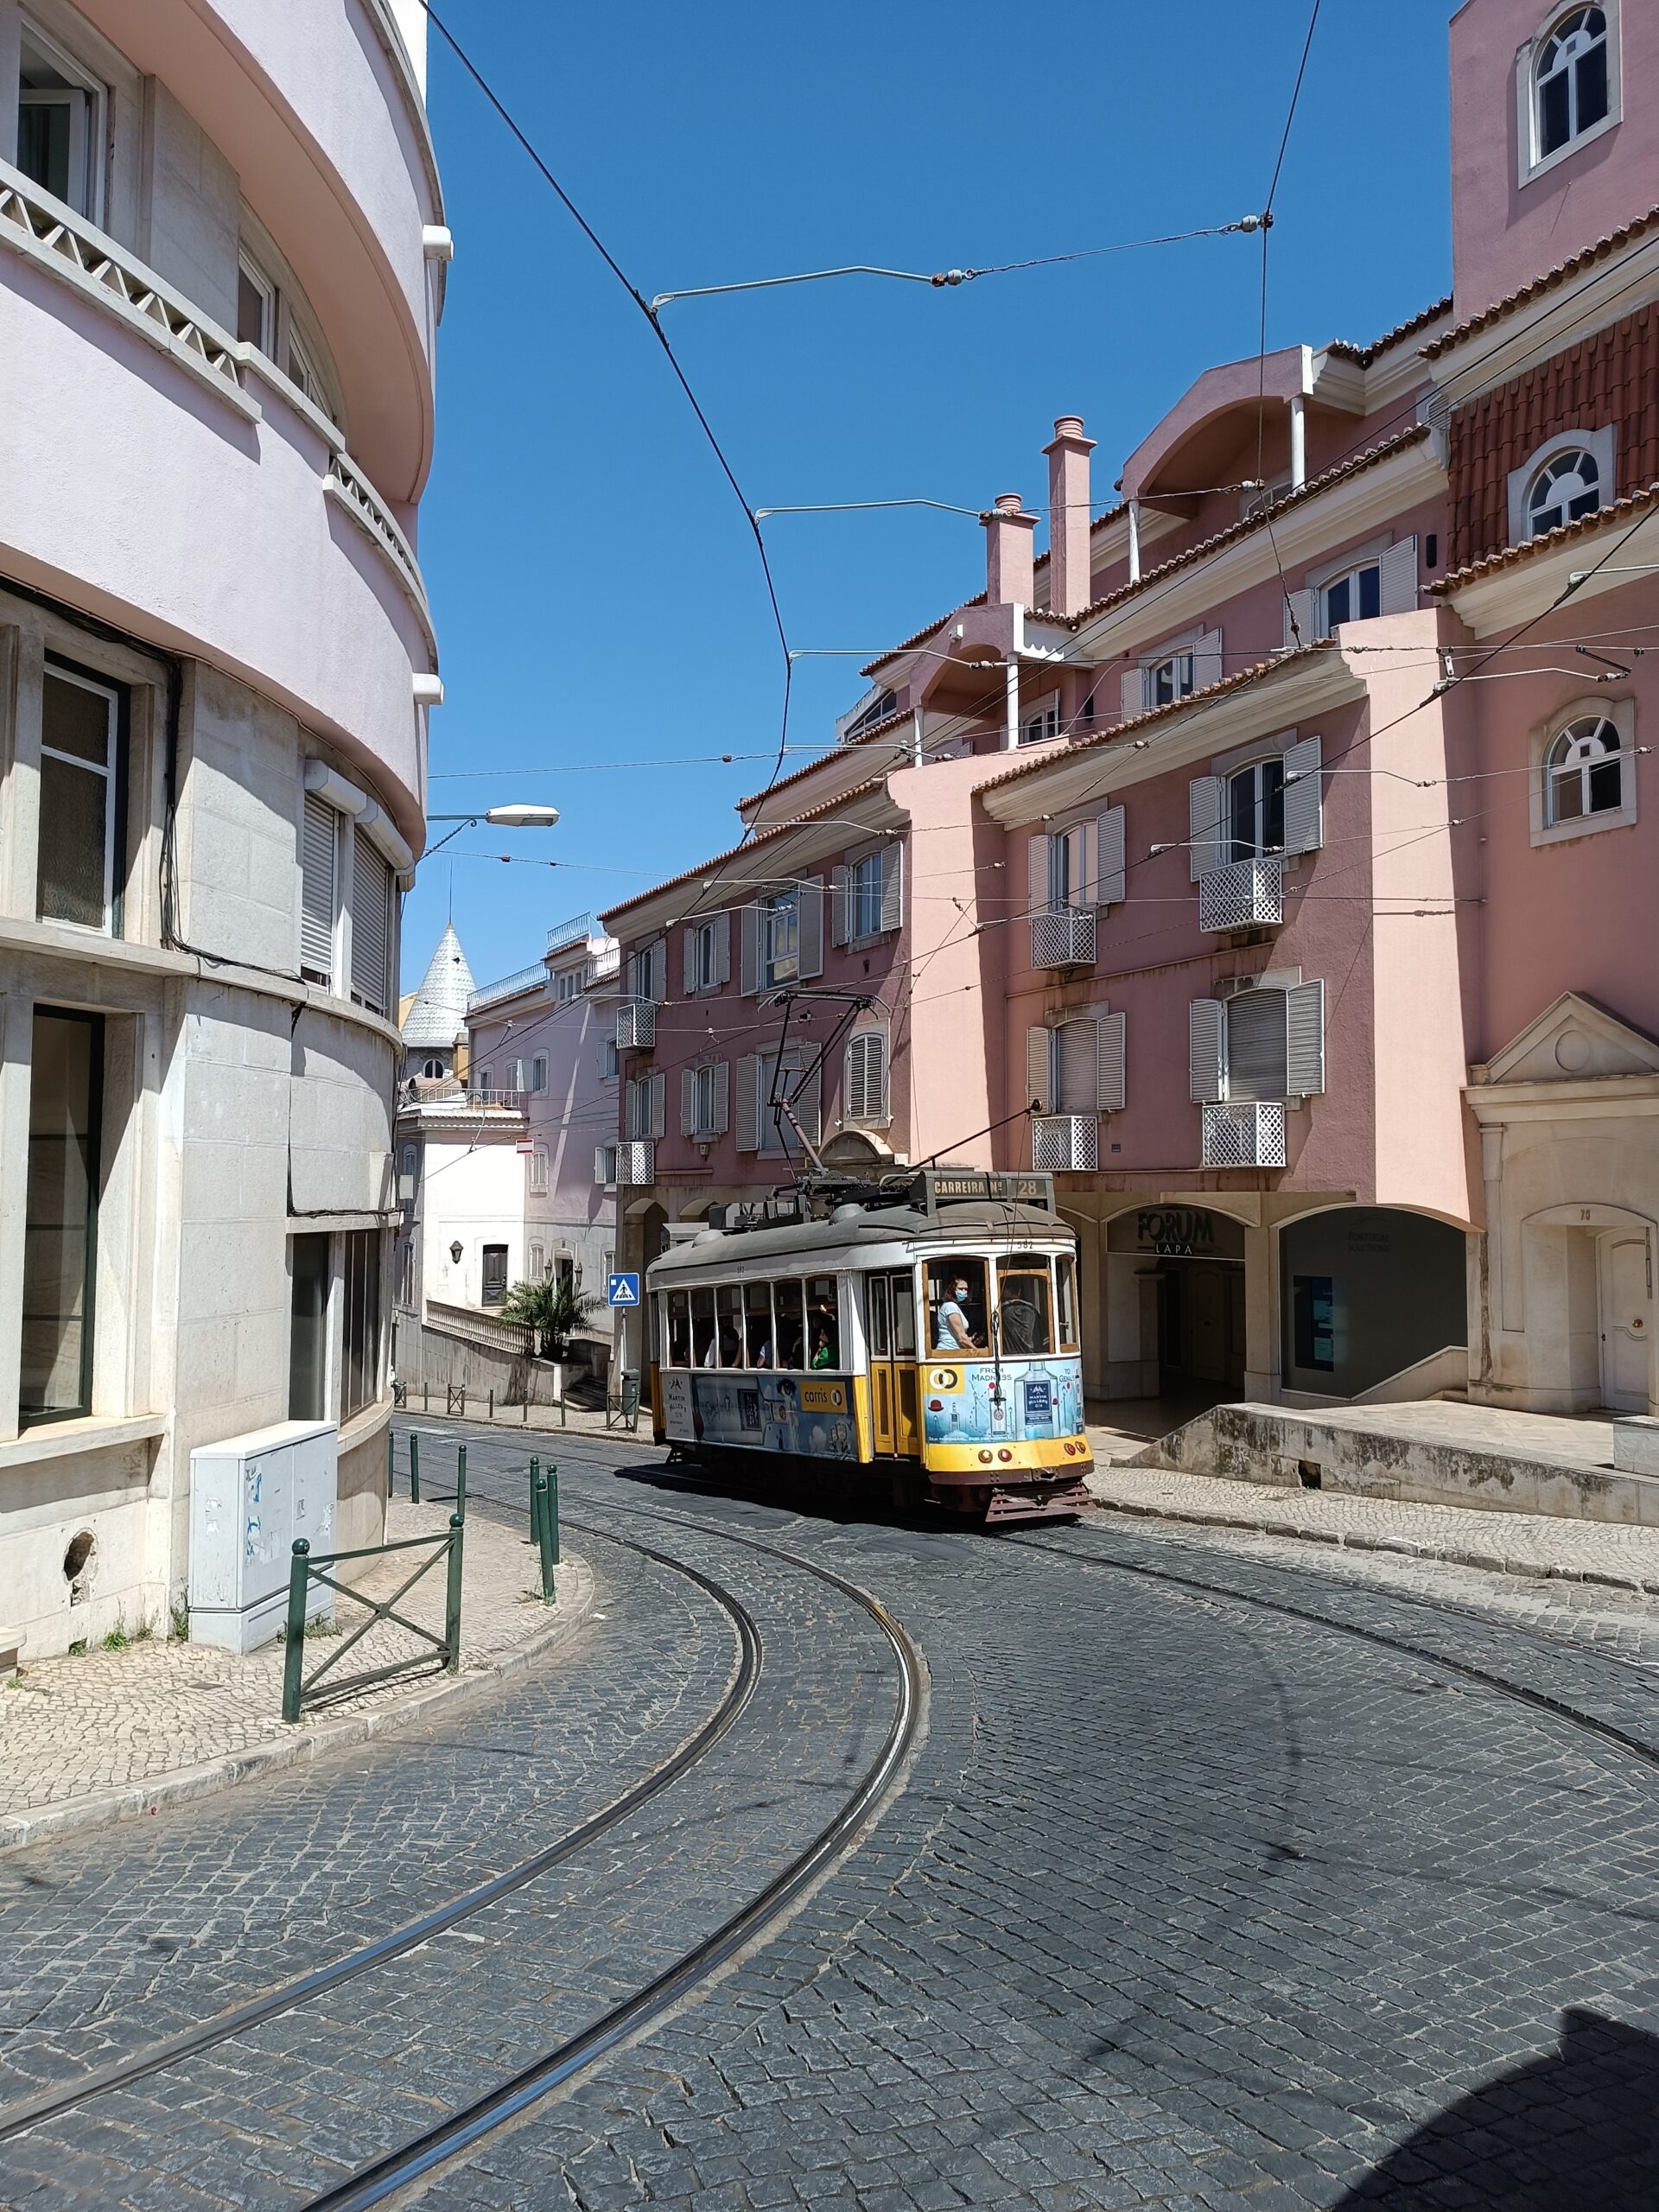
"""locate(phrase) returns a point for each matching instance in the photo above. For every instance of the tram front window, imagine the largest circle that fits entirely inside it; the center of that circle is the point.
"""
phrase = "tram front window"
(823, 1322)
(679, 1328)
(1022, 1302)
(956, 1306)
(757, 1325)
(702, 1328)
(791, 1325)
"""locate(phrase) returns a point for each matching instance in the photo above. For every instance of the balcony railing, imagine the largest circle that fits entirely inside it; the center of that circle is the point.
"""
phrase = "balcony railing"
(1245, 895)
(571, 932)
(1063, 1143)
(1249, 1133)
(636, 1026)
(509, 987)
(1064, 937)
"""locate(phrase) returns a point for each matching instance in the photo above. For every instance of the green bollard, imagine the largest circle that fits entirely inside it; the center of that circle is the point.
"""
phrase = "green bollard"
(414, 1468)
(545, 1533)
(535, 1524)
(299, 1576)
(553, 1508)
(452, 1607)
(392, 1463)
(461, 1480)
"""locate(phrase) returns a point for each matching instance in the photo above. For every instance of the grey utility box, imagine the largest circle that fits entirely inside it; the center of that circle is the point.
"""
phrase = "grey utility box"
(249, 1498)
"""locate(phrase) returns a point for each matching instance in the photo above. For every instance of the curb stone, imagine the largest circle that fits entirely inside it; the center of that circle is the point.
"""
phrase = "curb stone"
(102, 1807)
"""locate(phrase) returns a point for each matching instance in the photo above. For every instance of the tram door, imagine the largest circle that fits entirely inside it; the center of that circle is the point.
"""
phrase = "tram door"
(890, 1307)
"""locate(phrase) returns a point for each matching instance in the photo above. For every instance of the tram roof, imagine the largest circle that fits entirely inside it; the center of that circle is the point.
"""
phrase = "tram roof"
(973, 1223)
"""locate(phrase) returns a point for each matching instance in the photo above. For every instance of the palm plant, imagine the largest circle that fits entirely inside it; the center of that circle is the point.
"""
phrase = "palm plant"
(553, 1310)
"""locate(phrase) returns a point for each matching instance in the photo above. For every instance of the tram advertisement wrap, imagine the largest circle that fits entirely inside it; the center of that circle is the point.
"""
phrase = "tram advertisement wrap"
(809, 1414)
(962, 1403)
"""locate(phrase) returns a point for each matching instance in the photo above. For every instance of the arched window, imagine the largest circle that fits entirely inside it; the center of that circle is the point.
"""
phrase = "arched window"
(1567, 485)
(432, 1070)
(1584, 771)
(1569, 77)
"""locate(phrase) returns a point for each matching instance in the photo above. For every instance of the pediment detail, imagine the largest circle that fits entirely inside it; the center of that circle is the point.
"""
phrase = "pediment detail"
(1573, 1041)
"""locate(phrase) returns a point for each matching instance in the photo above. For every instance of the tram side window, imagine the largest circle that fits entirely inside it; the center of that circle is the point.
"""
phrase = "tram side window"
(904, 1317)
(702, 1328)
(956, 1306)
(728, 1324)
(1022, 1303)
(1066, 1303)
(877, 1325)
(823, 1322)
(791, 1325)
(677, 1334)
(757, 1325)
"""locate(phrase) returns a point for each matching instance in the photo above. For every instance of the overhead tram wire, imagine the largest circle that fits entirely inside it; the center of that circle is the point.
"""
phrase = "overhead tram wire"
(1261, 345)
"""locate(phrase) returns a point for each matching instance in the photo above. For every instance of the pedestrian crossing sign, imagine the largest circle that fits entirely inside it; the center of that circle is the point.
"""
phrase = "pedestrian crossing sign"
(622, 1290)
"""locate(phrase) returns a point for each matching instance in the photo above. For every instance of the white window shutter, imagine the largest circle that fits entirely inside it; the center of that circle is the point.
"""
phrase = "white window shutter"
(840, 928)
(1207, 661)
(1039, 1077)
(1303, 804)
(605, 1163)
(1108, 856)
(722, 1097)
(892, 886)
(812, 926)
(1110, 1068)
(723, 947)
(1206, 806)
(371, 925)
(688, 1102)
(1037, 871)
(319, 844)
(1305, 1049)
(658, 1096)
(1134, 693)
(690, 960)
(1300, 619)
(1397, 577)
(748, 923)
(1206, 1038)
(748, 1102)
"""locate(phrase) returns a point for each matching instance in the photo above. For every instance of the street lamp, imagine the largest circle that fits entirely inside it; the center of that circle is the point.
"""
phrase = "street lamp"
(522, 816)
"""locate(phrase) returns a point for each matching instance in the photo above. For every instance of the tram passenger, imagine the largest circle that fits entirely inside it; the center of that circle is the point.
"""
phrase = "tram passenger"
(951, 1331)
(731, 1345)
(826, 1335)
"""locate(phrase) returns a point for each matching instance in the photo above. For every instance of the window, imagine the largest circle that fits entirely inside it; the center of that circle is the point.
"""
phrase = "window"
(676, 1330)
(880, 708)
(702, 1328)
(570, 983)
(1168, 680)
(432, 1070)
(864, 897)
(61, 111)
(1570, 79)
(485, 1083)
(359, 1380)
(538, 1072)
(790, 1308)
(704, 1100)
(1066, 1302)
(371, 929)
(1023, 1317)
(255, 305)
(537, 1264)
(1261, 1045)
(957, 1307)
(82, 763)
(1567, 486)
(823, 1322)
(758, 1342)
(1256, 811)
(646, 972)
(538, 1169)
(1068, 867)
(776, 1084)
(1041, 720)
(608, 1058)
(66, 1108)
(1584, 773)
(702, 971)
(864, 1088)
(780, 936)
(1354, 596)
(319, 850)
(308, 1328)
(300, 373)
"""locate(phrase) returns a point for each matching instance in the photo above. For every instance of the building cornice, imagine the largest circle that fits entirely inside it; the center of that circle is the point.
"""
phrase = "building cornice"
(1521, 582)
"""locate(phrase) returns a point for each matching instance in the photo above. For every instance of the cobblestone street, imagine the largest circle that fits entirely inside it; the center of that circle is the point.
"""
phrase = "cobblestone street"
(1226, 1870)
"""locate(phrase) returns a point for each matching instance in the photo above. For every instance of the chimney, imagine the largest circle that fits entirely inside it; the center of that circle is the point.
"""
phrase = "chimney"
(1009, 534)
(1068, 516)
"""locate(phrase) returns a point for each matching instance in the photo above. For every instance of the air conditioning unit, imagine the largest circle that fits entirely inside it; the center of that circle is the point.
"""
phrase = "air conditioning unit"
(1066, 1143)
(636, 1026)
(249, 1498)
(1249, 1133)
(1245, 895)
(1063, 938)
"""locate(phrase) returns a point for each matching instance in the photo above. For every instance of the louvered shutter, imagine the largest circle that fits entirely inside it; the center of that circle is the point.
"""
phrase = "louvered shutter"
(1108, 1063)
(1207, 660)
(318, 840)
(1206, 1051)
(840, 926)
(1305, 1046)
(1256, 1040)
(722, 1087)
(658, 1095)
(876, 1074)
(1300, 616)
(812, 926)
(1038, 1079)
(371, 924)
(748, 923)
(748, 1102)
(658, 988)
(1037, 872)
(1078, 1056)
(1134, 692)
(688, 1102)
(1303, 802)
(1108, 856)
(892, 886)
(690, 970)
(852, 1102)
(723, 947)
(1397, 577)
(804, 1095)
(1207, 804)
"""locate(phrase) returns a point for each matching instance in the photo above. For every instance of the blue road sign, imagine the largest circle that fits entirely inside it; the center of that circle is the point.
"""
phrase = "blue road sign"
(622, 1290)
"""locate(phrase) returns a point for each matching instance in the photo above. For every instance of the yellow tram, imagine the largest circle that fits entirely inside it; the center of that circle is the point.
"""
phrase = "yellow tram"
(926, 1335)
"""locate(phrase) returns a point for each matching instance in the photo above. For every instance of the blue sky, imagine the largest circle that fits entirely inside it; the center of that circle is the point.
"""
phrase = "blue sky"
(597, 592)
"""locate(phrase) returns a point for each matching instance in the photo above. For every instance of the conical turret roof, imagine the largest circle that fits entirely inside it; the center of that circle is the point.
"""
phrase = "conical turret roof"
(439, 1014)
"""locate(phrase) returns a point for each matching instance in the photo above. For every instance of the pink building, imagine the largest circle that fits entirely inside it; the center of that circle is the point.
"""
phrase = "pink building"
(1269, 858)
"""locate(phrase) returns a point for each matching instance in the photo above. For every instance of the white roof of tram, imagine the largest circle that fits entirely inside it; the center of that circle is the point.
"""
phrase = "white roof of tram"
(971, 1225)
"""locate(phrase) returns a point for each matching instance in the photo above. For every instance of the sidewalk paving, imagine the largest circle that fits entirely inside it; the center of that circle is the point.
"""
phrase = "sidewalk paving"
(111, 1734)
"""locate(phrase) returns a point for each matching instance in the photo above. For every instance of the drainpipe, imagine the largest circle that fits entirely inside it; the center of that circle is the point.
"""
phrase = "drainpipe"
(1298, 440)
(916, 738)
(1134, 541)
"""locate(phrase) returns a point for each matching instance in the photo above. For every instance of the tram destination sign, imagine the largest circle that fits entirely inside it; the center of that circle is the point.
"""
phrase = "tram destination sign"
(947, 1187)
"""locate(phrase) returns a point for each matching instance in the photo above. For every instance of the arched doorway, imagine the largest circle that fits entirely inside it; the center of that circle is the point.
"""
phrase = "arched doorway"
(1366, 1292)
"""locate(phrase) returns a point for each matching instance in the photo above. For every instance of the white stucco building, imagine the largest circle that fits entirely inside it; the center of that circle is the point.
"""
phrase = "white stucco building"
(222, 258)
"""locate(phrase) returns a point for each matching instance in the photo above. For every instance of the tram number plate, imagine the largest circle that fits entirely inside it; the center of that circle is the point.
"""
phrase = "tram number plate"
(1039, 1399)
